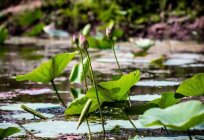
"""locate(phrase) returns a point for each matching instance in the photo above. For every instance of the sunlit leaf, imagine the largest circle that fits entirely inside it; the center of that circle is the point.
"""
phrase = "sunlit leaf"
(107, 91)
(76, 106)
(8, 132)
(178, 117)
(119, 88)
(193, 86)
(49, 70)
(79, 72)
(166, 100)
(86, 30)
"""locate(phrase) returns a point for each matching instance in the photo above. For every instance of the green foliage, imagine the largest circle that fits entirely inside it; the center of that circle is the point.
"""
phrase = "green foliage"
(34, 112)
(36, 30)
(166, 100)
(193, 86)
(3, 34)
(84, 112)
(49, 70)
(4, 133)
(158, 62)
(29, 17)
(181, 116)
(86, 30)
(108, 92)
(119, 88)
(79, 72)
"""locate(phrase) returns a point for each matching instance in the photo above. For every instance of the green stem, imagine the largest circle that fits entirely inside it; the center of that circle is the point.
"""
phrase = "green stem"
(95, 86)
(131, 122)
(86, 85)
(88, 125)
(121, 73)
(113, 48)
(82, 59)
(54, 87)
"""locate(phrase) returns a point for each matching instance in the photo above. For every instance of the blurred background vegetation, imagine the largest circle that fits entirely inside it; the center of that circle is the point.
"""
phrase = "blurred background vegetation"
(175, 19)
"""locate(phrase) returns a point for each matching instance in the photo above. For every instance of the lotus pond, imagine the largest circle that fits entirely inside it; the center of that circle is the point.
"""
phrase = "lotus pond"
(149, 100)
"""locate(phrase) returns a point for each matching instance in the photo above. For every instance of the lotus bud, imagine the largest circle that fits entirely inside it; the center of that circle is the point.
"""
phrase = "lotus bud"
(110, 29)
(83, 42)
(75, 39)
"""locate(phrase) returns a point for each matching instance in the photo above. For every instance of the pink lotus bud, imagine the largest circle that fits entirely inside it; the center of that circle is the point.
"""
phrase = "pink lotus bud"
(83, 42)
(75, 39)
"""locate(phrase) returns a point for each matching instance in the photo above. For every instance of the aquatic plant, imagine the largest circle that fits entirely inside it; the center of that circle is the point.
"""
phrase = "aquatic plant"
(34, 112)
(4, 133)
(3, 34)
(181, 116)
(49, 70)
(193, 86)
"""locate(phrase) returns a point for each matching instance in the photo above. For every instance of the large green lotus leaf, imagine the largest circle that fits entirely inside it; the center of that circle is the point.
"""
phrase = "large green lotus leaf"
(193, 86)
(107, 92)
(77, 74)
(8, 132)
(166, 100)
(119, 88)
(49, 70)
(178, 117)
(76, 106)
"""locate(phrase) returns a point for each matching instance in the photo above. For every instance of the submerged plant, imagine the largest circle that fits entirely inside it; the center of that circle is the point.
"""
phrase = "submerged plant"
(49, 70)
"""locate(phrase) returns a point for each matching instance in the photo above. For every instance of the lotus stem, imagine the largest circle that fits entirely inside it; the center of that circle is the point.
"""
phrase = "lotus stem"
(113, 48)
(86, 85)
(189, 134)
(82, 59)
(95, 86)
(167, 132)
(56, 91)
(131, 122)
(121, 73)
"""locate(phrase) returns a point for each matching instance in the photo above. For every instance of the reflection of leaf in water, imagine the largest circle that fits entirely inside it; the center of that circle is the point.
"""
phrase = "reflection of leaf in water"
(30, 54)
(2, 51)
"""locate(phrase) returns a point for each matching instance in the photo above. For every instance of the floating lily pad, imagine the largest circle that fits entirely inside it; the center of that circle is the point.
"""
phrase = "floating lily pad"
(178, 117)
